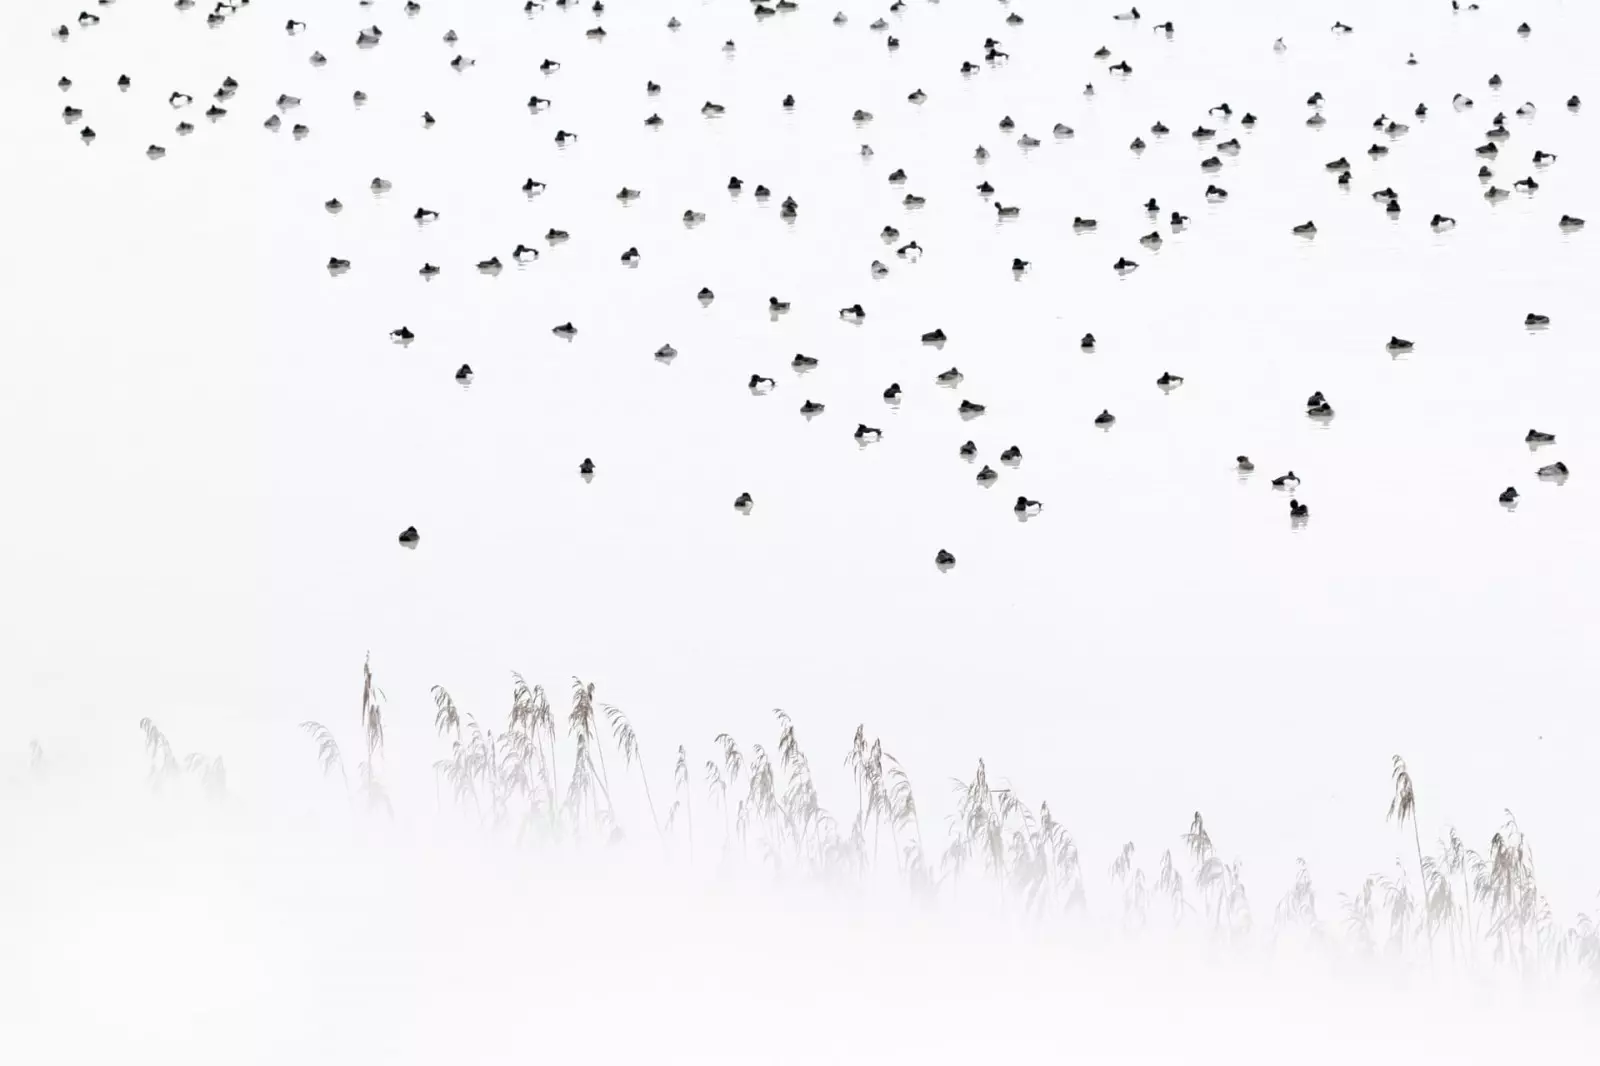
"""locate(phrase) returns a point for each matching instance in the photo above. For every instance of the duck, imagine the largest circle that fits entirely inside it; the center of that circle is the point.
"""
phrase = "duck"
(666, 353)
(1160, 129)
(980, 153)
(949, 378)
(917, 96)
(1169, 381)
(1442, 222)
(879, 270)
(1243, 464)
(892, 393)
(709, 108)
(1556, 470)
(944, 560)
(1279, 46)
(1377, 150)
(1121, 68)
(860, 116)
(1573, 103)
(968, 409)
(1316, 121)
(1229, 146)
(1526, 185)
(1421, 111)
(811, 408)
(1509, 496)
(1019, 266)
(492, 265)
(1178, 221)
(762, 192)
(522, 253)
(1461, 101)
(968, 450)
(1396, 129)
(1087, 343)
(338, 266)
(1130, 15)
(1536, 436)
(789, 208)
(987, 476)
(910, 200)
(867, 434)
(1216, 193)
(802, 363)
(429, 270)
(788, 100)
(734, 184)
(1211, 163)
(1136, 145)
(549, 66)
(1338, 164)
(409, 537)
(1340, 27)
(402, 335)
(1540, 158)
(631, 257)
(968, 67)
(705, 296)
(586, 468)
(284, 101)
(1523, 30)
(1083, 225)
(1007, 124)
(1025, 507)
(1298, 509)
(1494, 81)
(1306, 229)
(462, 62)
(425, 214)
(1488, 149)
(464, 374)
(743, 503)
(934, 336)
(777, 306)
(566, 330)
(539, 103)
(1494, 192)
(299, 130)
(693, 218)
(1571, 222)
(71, 114)
(1399, 344)
(1105, 419)
(1025, 141)
(1286, 481)
(562, 136)
(760, 385)
(214, 112)
(1062, 130)
(1315, 398)
(1012, 456)
(318, 59)
(179, 99)
(184, 128)
(1151, 207)
(368, 38)
(1536, 320)
(1124, 265)
(1201, 133)
(1321, 410)
(984, 188)
(626, 193)
(1151, 240)
(897, 177)
(853, 313)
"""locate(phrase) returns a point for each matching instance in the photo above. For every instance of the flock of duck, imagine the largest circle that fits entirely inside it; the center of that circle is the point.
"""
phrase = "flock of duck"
(1317, 405)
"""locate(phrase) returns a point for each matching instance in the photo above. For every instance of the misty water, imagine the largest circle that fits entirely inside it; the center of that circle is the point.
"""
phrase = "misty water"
(212, 443)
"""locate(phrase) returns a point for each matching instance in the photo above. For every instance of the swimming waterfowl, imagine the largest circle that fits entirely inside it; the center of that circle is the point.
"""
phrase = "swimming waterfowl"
(1152, 207)
(1121, 68)
(1298, 510)
(705, 296)
(1571, 222)
(214, 112)
(1177, 221)
(802, 363)
(562, 136)
(586, 468)
(1556, 470)
(984, 188)
(969, 450)
(889, 234)
(461, 62)
(892, 393)
(935, 336)
(539, 103)
(879, 270)
(1338, 164)
(409, 537)
(1306, 229)
(1316, 121)
(464, 374)
(666, 353)
(1442, 222)
(1211, 163)
(1397, 344)
(1494, 192)
(450, 37)
(1484, 173)
(299, 131)
(1421, 111)
(1027, 507)
(1006, 124)
(1340, 27)
(1573, 103)
(892, 43)
(911, 200)
(1536, 320)
(788, 100)
(967, 409)
(1527, 110)
(1536, 436)
(429, 270)
(368, 38)
(853, 313)
(1321, 410)
(1083, 225)
(709, 108)
(1087, 343)
(811, 408)
(1411, 59)
(1494, 81)
(762, 192)
(1279, 46)
(968, 67)
(1151, 240)
(1130, 15)
(358, 97)
(631, 256)
(987, 476)
(896, 177)
(87, 135)
(917, 97)
(318, 59)
(743, 503)
(789, 208)
(1377, 150)
(859, 115)
(1229, 146)
(1169, 381)
(1215, 193)
(403, 335)
(1525, 184)
(1026, 141)
(1123, 265)
(1524, 29)
(693, 218)
(1460, 101)
(566, 330)
(337, 265)
(1012, 456)
(425, 214)
(1018, 266)
(70, 114)
(1062, 130)
(761, 385)
(178, 99)
(949, 378)
(944, 560)
(1244, 464)
(595, 33)
(777, 306)
(1543, 157)
(1286, 481)
(492, 265)
(1315, 398)
(1007, 212)
(1200, 133)
(1509, 496)
(1105, 419)
(626, 193)
(981, 153)
(522, 253)
(1395, 129)
(867, 434)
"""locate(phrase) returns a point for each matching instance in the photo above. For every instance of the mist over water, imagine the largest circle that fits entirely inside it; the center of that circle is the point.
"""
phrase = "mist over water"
(213, 445)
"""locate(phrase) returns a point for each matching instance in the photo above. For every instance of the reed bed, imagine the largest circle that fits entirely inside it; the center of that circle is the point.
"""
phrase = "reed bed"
(540, 783)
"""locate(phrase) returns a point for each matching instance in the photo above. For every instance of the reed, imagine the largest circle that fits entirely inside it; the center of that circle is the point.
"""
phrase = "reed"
(996, 844)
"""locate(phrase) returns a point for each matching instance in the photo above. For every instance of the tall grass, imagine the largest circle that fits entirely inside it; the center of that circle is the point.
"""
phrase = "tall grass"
(1485, 907)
